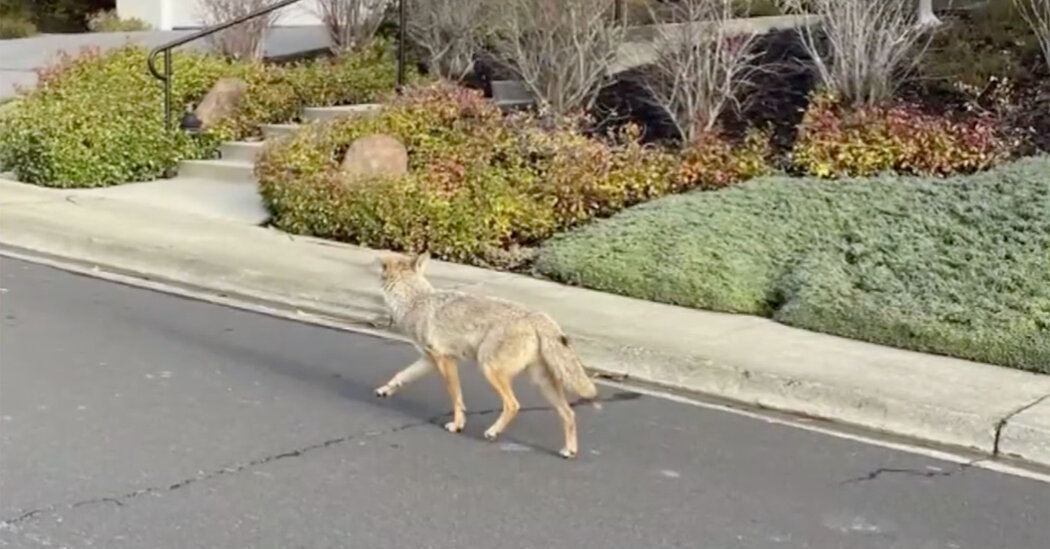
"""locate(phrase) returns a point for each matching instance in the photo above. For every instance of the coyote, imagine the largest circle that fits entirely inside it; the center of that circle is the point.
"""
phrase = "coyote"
(504, 337)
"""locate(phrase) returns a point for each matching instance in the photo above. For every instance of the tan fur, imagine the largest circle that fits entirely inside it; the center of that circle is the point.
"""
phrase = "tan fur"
(503, 337)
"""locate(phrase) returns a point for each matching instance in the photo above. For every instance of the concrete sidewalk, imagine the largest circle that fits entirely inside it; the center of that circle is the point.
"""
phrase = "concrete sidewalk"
(995, 411)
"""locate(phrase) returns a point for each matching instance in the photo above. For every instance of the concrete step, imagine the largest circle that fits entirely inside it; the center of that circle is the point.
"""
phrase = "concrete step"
(273, 131)
(242, 151)
(511, 94)
(330, 113)
(220, 170)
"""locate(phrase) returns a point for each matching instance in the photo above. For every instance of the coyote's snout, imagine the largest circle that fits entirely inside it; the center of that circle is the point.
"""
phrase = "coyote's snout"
(503, 337)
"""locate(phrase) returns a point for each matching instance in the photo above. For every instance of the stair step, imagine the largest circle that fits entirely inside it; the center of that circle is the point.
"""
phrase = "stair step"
(272, 131)
(222, 170)
(242, 151)
(331, 113)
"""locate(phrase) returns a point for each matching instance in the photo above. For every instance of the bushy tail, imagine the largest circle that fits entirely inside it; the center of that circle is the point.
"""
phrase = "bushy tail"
(562, 362)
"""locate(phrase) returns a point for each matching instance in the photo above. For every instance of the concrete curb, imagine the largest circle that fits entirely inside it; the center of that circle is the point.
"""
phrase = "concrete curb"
(995, 411)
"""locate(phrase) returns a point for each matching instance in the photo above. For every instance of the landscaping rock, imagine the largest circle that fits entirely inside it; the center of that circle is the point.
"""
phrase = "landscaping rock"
(376, 155)
(221, 101)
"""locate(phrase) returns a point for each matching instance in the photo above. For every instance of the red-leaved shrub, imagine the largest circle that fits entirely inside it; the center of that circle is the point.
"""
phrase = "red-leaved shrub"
(834, 141)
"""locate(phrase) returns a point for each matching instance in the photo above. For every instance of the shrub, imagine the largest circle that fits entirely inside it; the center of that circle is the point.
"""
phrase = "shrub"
(55, 15)
(359, 76)
(451, 34)
(480, 186)
(16, 27)
(711, 161)
(351, 24)
(835, 141)
(987, 43)
(245, 41)
(1037, 14)
(98, 119)
(988, 60)
(862, 50)
(698, 76)
(109, 21)
(957, 266)
(561, 49)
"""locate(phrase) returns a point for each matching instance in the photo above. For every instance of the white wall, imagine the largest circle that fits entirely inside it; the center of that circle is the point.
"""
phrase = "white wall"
(150, 11)
(169, 14)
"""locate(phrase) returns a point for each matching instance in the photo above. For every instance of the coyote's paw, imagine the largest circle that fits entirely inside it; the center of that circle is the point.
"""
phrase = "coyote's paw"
(385, 391)
(567, 453)
(491, 435)
(452, 427)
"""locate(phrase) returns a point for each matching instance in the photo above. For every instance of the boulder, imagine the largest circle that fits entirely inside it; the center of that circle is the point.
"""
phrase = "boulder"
(376, 155)
(221, 101)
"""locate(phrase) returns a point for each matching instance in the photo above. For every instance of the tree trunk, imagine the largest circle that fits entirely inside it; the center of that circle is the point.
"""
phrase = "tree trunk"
(926, 16)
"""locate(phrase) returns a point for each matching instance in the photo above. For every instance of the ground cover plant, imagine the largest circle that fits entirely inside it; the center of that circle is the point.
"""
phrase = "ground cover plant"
(957, 266)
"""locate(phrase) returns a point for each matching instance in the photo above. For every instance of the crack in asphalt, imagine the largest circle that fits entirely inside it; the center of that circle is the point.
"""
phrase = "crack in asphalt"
(922, 473)
(121, 500)
(1001, 424)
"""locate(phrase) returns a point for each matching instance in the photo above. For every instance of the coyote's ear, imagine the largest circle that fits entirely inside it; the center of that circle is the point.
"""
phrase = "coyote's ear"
(420, 262)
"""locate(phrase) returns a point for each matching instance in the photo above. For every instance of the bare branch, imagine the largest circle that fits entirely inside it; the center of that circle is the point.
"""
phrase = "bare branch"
(701, 65)
(561, 49)
(351, 24)
(244, 41)
(871, 45)
(451, 32)
(1037, 14)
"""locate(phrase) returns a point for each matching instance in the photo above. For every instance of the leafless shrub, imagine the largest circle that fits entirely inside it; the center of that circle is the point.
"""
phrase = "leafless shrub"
(561, 49)
(701, 65)
(244, 41)
(871, 46)
(451, 33)
(1037, 14)
(351, 23)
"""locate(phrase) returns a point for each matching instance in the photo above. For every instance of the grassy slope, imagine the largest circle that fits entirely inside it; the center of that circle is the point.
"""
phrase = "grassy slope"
(958, 267)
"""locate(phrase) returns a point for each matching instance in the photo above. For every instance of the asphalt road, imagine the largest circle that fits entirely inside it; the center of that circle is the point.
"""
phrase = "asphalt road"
(132, 419)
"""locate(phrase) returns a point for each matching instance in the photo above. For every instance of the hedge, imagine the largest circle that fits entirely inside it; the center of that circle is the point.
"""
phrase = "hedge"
(957, 266)
(479, 185)
(97, 119)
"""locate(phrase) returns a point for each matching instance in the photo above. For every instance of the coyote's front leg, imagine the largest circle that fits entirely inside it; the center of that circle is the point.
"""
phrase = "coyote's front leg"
(411, 373)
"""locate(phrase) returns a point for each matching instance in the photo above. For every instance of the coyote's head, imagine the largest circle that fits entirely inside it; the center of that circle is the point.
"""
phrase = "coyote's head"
(399, 271)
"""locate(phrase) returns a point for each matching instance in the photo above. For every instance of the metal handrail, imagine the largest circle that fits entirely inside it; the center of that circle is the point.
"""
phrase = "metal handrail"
(167, 47)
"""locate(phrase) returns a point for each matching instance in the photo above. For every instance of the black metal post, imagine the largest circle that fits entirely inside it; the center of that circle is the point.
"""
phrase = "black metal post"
(401, 21)
(167, 90)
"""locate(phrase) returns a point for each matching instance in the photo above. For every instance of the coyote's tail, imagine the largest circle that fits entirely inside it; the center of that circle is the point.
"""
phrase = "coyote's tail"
(562, 362)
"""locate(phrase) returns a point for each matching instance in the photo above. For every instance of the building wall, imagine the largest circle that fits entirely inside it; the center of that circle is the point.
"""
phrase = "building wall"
(150, 11)
(175, 14)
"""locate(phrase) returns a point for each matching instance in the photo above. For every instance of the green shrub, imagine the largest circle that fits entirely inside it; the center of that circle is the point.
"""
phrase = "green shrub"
(479, 185)
(358, 77)
(835, 141)
(56, 15)
(16, 27)
(957, 266)
(109, 21)
(97, 119)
